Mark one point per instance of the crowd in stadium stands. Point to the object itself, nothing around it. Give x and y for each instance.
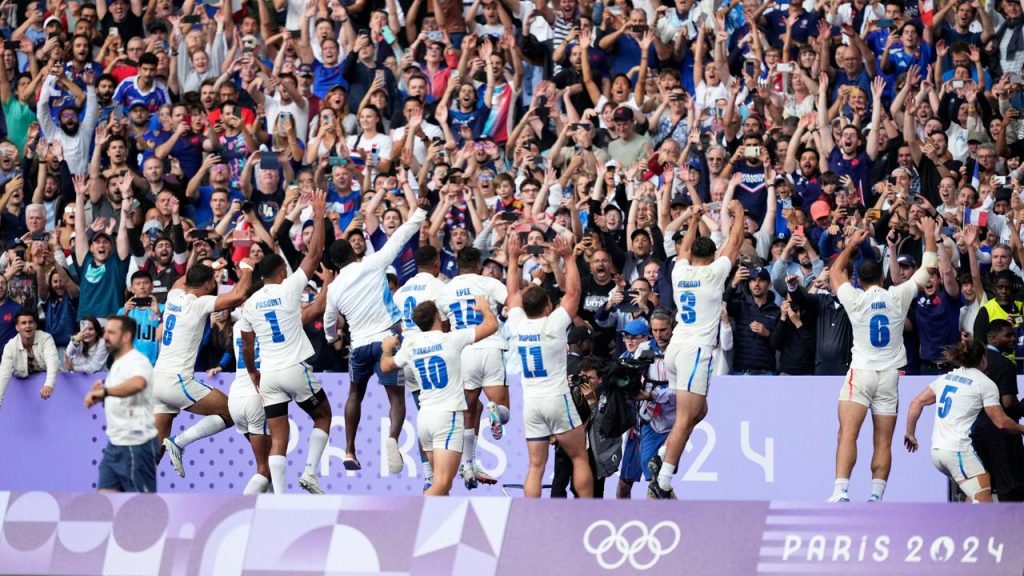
(142, 136)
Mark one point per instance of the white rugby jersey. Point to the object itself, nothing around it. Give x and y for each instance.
(959, 397)
(436, 359)
(274, 314)
(698, 293)
(540, 344)
(877, 316)
(460, 295)
(184, 321)
(420, 288)
(130, 418)
(242, 384)
(360, 291)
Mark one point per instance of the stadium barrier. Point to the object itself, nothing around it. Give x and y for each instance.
(765, 438)
(227, 535)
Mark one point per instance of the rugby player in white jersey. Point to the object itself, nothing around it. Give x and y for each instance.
(423, 287)
(272, 316)
(483, 363)
(244, 402)
(436, 357)
(698, 286)
(361, 294)
(961, 395)
(539, 334)
(877, 316)
(189, 305)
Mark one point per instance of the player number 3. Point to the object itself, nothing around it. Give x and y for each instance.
(687, 314)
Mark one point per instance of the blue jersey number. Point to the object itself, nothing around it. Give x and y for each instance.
(946, 400)
(879, 330)
(276, 336)
(687, 314)
(407, 307)
(433, 372)
(169, 321)
(240, 365)
(532, 355)
(469, 317)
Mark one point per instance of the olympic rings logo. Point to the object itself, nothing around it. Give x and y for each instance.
(631, 552)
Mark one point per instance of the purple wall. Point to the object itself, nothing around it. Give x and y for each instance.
(226, 535)
(765, 438)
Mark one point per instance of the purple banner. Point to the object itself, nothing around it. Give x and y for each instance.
(764, 438)
(179, 534)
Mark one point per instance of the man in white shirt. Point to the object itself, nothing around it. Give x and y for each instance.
(483, 363)
(423, 287)
(877, 316)
(436, 359)
(273, 317)
(361, 294)
(175, 387)
(74, 135)
(129, 460)
(698, 286)
(29, 352)
(539, 335)
(961, 395)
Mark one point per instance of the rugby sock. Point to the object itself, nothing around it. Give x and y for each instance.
(469, 446)
(665, 476)
(503, 414)
(257, 484)
(208, 426)
(278, 467)
(877, 488)
(428, 471)
(842, 486)
(317, 443)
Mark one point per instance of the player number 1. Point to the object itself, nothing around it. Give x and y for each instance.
(276, 336)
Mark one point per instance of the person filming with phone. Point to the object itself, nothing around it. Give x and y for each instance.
(146, 311)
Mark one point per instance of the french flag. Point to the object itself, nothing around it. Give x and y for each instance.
(977, 217)
(976, 178)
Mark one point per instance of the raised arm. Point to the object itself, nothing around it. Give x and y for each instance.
(315, 249)
(238, 295)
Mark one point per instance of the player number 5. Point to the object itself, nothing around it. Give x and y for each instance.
(946, 400)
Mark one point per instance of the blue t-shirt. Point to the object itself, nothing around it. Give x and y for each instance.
(752, 191)
(146, 323)
(405, 263)
(937, 319)
(625, 55)
(806, 26)
(101, 285)
(7, 327)
(325, 78)
(859, 169)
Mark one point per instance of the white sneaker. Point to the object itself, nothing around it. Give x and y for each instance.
(481, 476)
(395, 462)
(309, 483)
(174, 452)
(837, 498)
(874, 499)
(468, 476)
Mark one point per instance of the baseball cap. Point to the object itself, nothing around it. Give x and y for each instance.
(53, 20)
(490, 261)
(622, 114)
(99, 235)
(250, 42)
(679, 200)
(152, 228)
(820, 209)
(780, 239)
(157, 26)
(760, 273)
(578, 334)
(906, 260)
(635, 328)
(304, 70)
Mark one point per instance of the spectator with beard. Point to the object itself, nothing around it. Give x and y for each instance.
(75, 136)
(756, 314)
(596, 291)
